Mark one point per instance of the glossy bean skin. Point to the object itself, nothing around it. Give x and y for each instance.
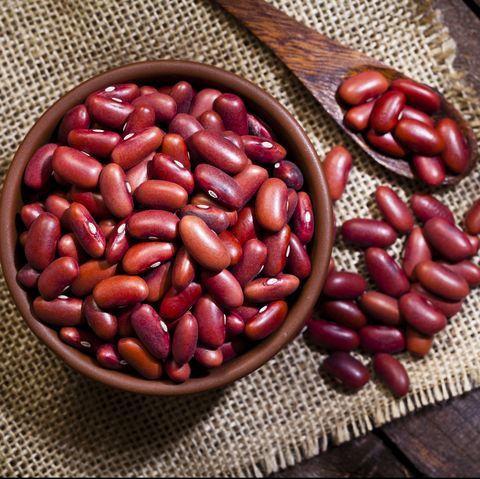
(416, 250)
(447, 240)
(418, 344)
(257, 127)
(362, 87)
(108, 112)
(185, 337)
(161, 195)
(252, 261)
(153, 224)
(137, 356)
(421, 315)
(430, 170)
(232, 245)
(468, 270)
(175, 147)
(393, 209)
(103, 324)
(61, 311)
(211, 322)
(76, 117)
(442, 281)
(76, 167)
(332, 336)
(418, 95)
(232, 349)
(263, 290)
(97, 143)
(39, 168)
(246, 311)
(140, 257)
(419, 137)
(30, 212)
(386, 144)
(233, 112)
(289, 173)
(140, 173)
(176, 303)
(365, 232)
(456, 153)
(337, 166)
(303, 220)
(109, 357)
(298, 260)
(177, 373)
(347, 370)
(249, 181)
(234, 326)
(183, 270)
(142, 117)
(91, 200)
(204, 101)
(211, 120)
(58, 205)
(214, 217)
(386, 273)
(345, 313)
(120, 291)
(117, 244)
(115, 190)
(414, 114)
(164, 105)
(448, 308)
(90, 274)
(392, 373)
(381, 307)
(263, 151)
(266, 321)
(183, 94)
(344, 285)
(426, 207)
(28, 276)
(107, 226)
(184, 125)
(382, 339)
(57, 277)
(472, 219)
(159, 281)
(165, 168)
(41, 244)
(224, 288)
(278, 248)
(151, 330)
(209, 358)
(244, 228)
(386, 112)
(123, 91)
(203, 244)
(84, 341)
(358, 117)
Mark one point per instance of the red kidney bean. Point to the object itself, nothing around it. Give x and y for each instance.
(76, 117)
(382, 339)
(220, 186)
(184, 341)
(103, 324)
(367, 232)
(143, 256)
(166, 168)
(153, 224)
(246, 311)
(266, 321)
(249, 180)
(416, 250)
(119, 291)
(474, 243)
(140, 173)
(57, 277)
(468, 270)
(110, 113)
(257, 127)
(176, 303)
(347, 370)
(211, 322)
(107, 226)
(426, 207)
(233, 112)
(362, 87)
(90, 274)
(344, 285)
(58, 205)
(142, 117)
(278, 249)
(203, 101)
(292, 202)
(161, 195)
(303, 221)
(392, 373)
(419, 96)
(29, 213)
(387, 109)
(289, 173)
(41, 244)
(203, 244)
(136, 146)
(448, 308)
(332, 337)
(97, 143)
(124, 325)
(418, 344)
(386, 144)
(358, 117)
(175, 147)
(118, 244)
(386, 273)
(109, 357)
(22, 238)
(419, 137)
(232, 245)
(183, 271)
(76, 167)
(414, 114)
(116, 191)
(164, 105)
(137, 356)
(92, 201)
(442, 281)
(298, 260)
(472, 219)
(159, 282)
(123, 91)
(380, 307)
(184, 125)
(236, 140)
(234, 325)
(393, 209)
(211, 120)
(214, 217)
(84, 341)
(263, 151)
(430, 170)
(209, 358)
(456, 153)
(251, 263)
(232, 349)
(62, 311)
(178, 374)
(447, 240)
(263, 290)
(151, 330)
(344, 313)
(28, 276)
(421, 315)
(39, 168)
(224, 288)
(183, 94)
(244, 229)
(337, 166)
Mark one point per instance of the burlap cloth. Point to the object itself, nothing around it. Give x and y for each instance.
(53, 421)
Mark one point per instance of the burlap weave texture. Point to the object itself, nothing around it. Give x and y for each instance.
(53, 421)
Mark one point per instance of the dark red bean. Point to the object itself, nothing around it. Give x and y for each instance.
(90, 274)
(232, 349)
(29, 213)
(41, 244)
(123, 91)
(474, 243)
(110, 113)
(175, 147)
(347, 370)
(448, 308)
(468, 270)
(363, 86)
(426, 207)
(392, 373)
(140, 173)
(252, 261)
(257, 127)
(164, 105)
(28, 276)
(39, 168)
(184, 125)
(393, 209)
(386, 144)
(278, 248)
(203, 101)
(214, 217)
(92, 201)
(57, 277)
(153, 224)
(263, 151)
(380, 307)
(142, 117)
(456, 153)
(414, 114)
(344, 313)
(418, 344)
(22, 238)
(164, 167)
(103, 324)
(386, 273)
(62, 311)
(382, 339)
(136, 355)
(246, 311)
(344, 285)
(119, 291)
(159, 282)
(183, 270)
(337, 166)
(142, 256)
(249, 180)
(431, 170)
(98, 143)
(183, 94)
(109, 357)
(211, 322)
(234, 325)
(116, 191)
(211, 120)
(303, 220)
(419, 96)
(292, 202)
(58, 205)
(298, 260)
(118, 243)
(332, 336)
(178, 374)
(244, 228)
(224, 288)
(232, 245)
(289, 173)
(209, 358)
(419, 137)
(358, 117)
(416, 250)
(421, 315)
(268, 319)
(233, 112)
(176, 303)
(263, 290)
(84, 341)
(107, 226)
(161, 195)
(387, 109)
(365, 232)
(76, 117)
(184, 341)
(472, 219)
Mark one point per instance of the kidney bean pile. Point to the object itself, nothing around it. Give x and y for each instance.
(412, 301)
(401, 120)
(158, 252)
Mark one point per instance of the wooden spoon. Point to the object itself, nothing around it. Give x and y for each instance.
(321, 64)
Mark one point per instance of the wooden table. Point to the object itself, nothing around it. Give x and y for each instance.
(441, 440)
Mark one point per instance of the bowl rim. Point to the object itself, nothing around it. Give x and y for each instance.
(40, 133)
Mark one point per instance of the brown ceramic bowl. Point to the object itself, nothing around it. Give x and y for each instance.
(291, 136)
